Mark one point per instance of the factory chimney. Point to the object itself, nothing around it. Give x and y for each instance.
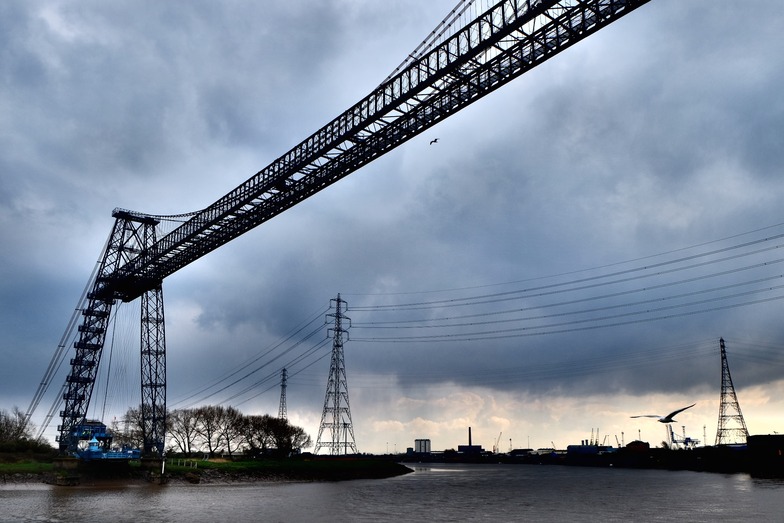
(469, 437)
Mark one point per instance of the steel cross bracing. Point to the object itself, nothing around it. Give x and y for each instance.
(336, 416)
(153, 366)
(732, 426)
(504, 42)
(130, 236)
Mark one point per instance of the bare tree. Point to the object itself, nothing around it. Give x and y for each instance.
(269, 435)
(209, 427)
(184, 430)
(16, 436)
(288, 438)
(128, 431)
(12, 426)
(257, 431)
(299, 439)
(230, 422)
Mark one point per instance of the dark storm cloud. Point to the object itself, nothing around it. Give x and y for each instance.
(659, 132)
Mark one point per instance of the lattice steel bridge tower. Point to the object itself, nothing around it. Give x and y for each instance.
(732, 427)
(336, 416)
(132, 235)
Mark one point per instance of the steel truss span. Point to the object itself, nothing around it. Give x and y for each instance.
(499, 45)
(512, 37)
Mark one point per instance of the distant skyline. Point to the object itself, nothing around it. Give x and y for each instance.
(566, 256)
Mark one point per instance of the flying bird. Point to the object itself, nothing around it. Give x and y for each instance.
(669, 418)
(434, 140)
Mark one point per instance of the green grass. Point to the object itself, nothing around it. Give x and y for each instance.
(25, 467)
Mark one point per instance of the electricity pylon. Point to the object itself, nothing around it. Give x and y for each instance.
(732, 427)
(336, 416)
(282, 409)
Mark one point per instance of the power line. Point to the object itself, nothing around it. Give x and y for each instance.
(244, 365)
(495, 297)
(568, 273)
(404, 324)
(563, 327)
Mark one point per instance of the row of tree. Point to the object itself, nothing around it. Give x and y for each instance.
(215, 429)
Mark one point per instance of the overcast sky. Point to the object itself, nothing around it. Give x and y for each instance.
(577, 242)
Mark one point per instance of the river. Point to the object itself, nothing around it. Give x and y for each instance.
(497, 493)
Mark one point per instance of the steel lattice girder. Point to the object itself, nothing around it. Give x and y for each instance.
(153, 365)
(509, 39)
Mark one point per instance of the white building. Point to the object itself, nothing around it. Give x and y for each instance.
(422, 446)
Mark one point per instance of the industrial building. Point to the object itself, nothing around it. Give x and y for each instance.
(422, 446)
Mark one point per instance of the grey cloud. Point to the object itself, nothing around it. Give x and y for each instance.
(658, 133)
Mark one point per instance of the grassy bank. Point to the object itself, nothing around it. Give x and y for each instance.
(28, 468)
(318, 469)
(25, 463)
(25, 467)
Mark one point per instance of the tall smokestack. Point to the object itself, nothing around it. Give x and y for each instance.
(469, 436)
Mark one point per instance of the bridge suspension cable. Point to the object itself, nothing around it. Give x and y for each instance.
(434, 37)
(58, 357)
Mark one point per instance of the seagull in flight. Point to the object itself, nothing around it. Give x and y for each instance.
(669, 418)
(434, 140)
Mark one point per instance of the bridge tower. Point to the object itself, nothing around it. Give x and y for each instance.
(336, 416)
(732, 427)
(282, 409)
(131, 237)
(153, 363)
